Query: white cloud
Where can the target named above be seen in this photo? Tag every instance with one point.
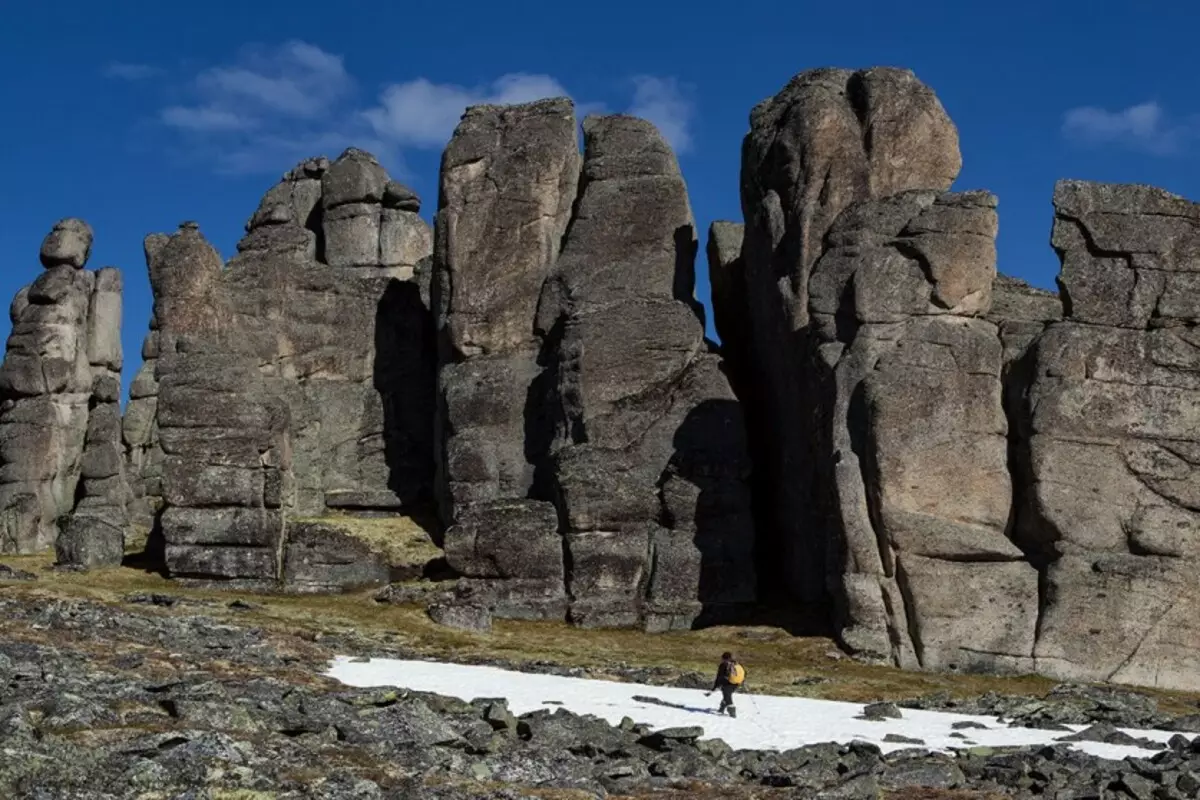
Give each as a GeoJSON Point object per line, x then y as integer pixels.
{"type": "Point", "coordinates": [270, 107]}
{"type": "Point", "coordinates": [1145, 127]}
{"type": "Point", "coordinates": [204, 119]}
{"type": "Point", "coordinates": [421, 113]}
{"type": "Point", "coordinates": [295, 80]}
{"type": "Point", "coordinates": [663, 102]}
{"type": "Point", "coordinates": [131, 72]}
{"type": "Point", "coordinates": [273, 106]}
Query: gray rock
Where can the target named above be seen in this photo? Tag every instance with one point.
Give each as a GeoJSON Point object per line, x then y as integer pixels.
{"type": "Point", "coordinates": [916, 473]}
{"type": "Point", "coordinates": [294, 382]}
{"type": "Point", "coordinates": [642, 405]}
{"type": "Point", "coordinates": [323, 557]}
{"type": "Point", "coordinates": [507, 184]}
{"type": "Point", "coordinates": [1113, 442]}
{"type": "Point", "coordinates": [879, 712]}
{"type": "Point", "coordinates": [96, 531]}
{"type": "Point", "coordinates": [463, 617]}
{"type": "Point", "coordinates": [507, 540]}
{"type": "Point", "coordinates": [896, 738]}
{"type": "Point", "coordinates": [61, 470]}
{"type": "Point", "coordinates": [69, 243]}
{"type": "Point", "coordinates": [829, 139]}
{"type": "Point", "coordinates": [500, 718]}
{"type": "Point", "coordinates": [8, 573]}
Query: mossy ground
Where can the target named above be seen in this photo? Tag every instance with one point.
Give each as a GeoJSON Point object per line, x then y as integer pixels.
{"type": "Point", "coordinates": [403, 541]}
{"type": "Point", "coordinates": [778, 663]}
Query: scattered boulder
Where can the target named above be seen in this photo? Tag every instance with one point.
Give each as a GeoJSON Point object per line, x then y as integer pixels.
{"type": "Point", "coordinates": [880, 712]}
{"type": "Point", "coordinates": [459, 615]}
{"type": "Point", "coordinates": [1108, 734]}
{"type": "Point", "coordinates": [8, 573]}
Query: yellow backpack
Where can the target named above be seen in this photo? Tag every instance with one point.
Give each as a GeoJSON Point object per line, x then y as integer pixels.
{"type": "Point", "coordinates": [737, 674]}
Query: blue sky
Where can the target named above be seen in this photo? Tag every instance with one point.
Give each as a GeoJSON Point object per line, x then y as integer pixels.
{"type": "Point", "coordinates": [139, 115]}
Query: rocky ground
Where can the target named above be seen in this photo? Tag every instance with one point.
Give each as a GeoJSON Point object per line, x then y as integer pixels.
{"type": "Point", "coordinates": [147, 694]}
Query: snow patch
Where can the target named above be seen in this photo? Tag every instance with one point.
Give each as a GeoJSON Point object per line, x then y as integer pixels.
{"type": "Point", "coordinates": [764, 722]}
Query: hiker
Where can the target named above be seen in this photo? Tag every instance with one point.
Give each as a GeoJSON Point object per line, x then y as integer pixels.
{"type": "Point", "coordinates": [730, 675]}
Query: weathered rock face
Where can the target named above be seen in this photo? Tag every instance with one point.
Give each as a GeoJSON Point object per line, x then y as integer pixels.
{"type": "Point", "coordinates": [971, 473]}
{"type": "Point", "coordinates": [917, 449]}
{"type": "Point", "coordinates": [650, 463]}
{"type": "Point", "coordinates": [59, 418]}
{"type": "Point", "coordinates": [296, 381]}
{"type": "Point", "coordinates": [1115, 446]}
{"type": "Point", "coordinates": [95, 534]}
{"type": "Point", "coordinates": [829, 139]}
{"type": "Point", "coordinates": [508, 180]}
{"type": "Point", "coordinates": [999, 480]}
{"type": "Point", "coordinates": [592, 443]}
{"type": "Point", "coordinates": [139, 434]}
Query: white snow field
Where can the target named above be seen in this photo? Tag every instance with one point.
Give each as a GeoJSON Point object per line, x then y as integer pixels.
{"type": "Point", "coordinates": [764, 722]}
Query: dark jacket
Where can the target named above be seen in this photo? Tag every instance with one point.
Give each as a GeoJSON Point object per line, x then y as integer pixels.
{"type": "Point", "coordinates": [723, 670]}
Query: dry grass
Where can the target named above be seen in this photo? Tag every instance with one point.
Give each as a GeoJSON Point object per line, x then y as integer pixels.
{"type": "Point", "coordinates": [403, 541]}
{"type": "Point", "coordinates": [777, 662]}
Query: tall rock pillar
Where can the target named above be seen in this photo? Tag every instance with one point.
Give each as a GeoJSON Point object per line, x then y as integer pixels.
{"type": "Point", "coordinates": [650, 458]}
{"type": "Point", "coordinates": [508, 181]}
{"type": "Point", "coordinates": [829, 139]}
{"type": "Point", "coordinates": [58, 384]}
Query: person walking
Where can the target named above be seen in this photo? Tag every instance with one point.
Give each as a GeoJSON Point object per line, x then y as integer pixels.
{"type": "Point", "coordinates": [730, 676]}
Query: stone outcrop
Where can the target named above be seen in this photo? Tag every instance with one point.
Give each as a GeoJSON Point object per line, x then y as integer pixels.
{"type": "Point", "coordinates": [594, 459]}
{"type": "Point", "coordinates": [996, 479]}
{"type": "Point", "coordinates": [508, 180]}
{"type": "Point", "coordinates": [298, 379]}
{"type": "Point", "coordinates": [954, 469]}
{"type": "Point", "coordinates": [96, 531]}
{"type": "Point", "coordinates": [139, 435]}
{"type": "Point", "coordinates": [916, 448]}
{"type": "Point", "coordinates": [650, 463]}
{"type": "Point", "coordinates": [829, 139]}
{"type": "Point", "coordinates": [1115, 445]}
{"type": "Point", "coordinates": [61, 474]}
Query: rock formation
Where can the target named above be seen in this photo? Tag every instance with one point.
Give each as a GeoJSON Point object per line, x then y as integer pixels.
{"type": "Point", "coordinates": [594, 456]}
{"type": "Point", "coordinates": [829, 139]}
{"type": "Point", "coordinates": [59, 413]}
{"type": "Point", "coordinates": [295, 382]}
{"type": "Point", "coordinates": [1115, 446]}
{"type": "Point", "coordinates": [928, 426]}
{"type": "Point", "coordinates": [508, 179]}
{"type": "Point", "coordinates": [650, 458]}
{"type": "Point", "coordinates": [915, 455]}
{"type": "Point", "coordinates": [882, 373]}
{"type": "Point", "coordinates": [957, 470]}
